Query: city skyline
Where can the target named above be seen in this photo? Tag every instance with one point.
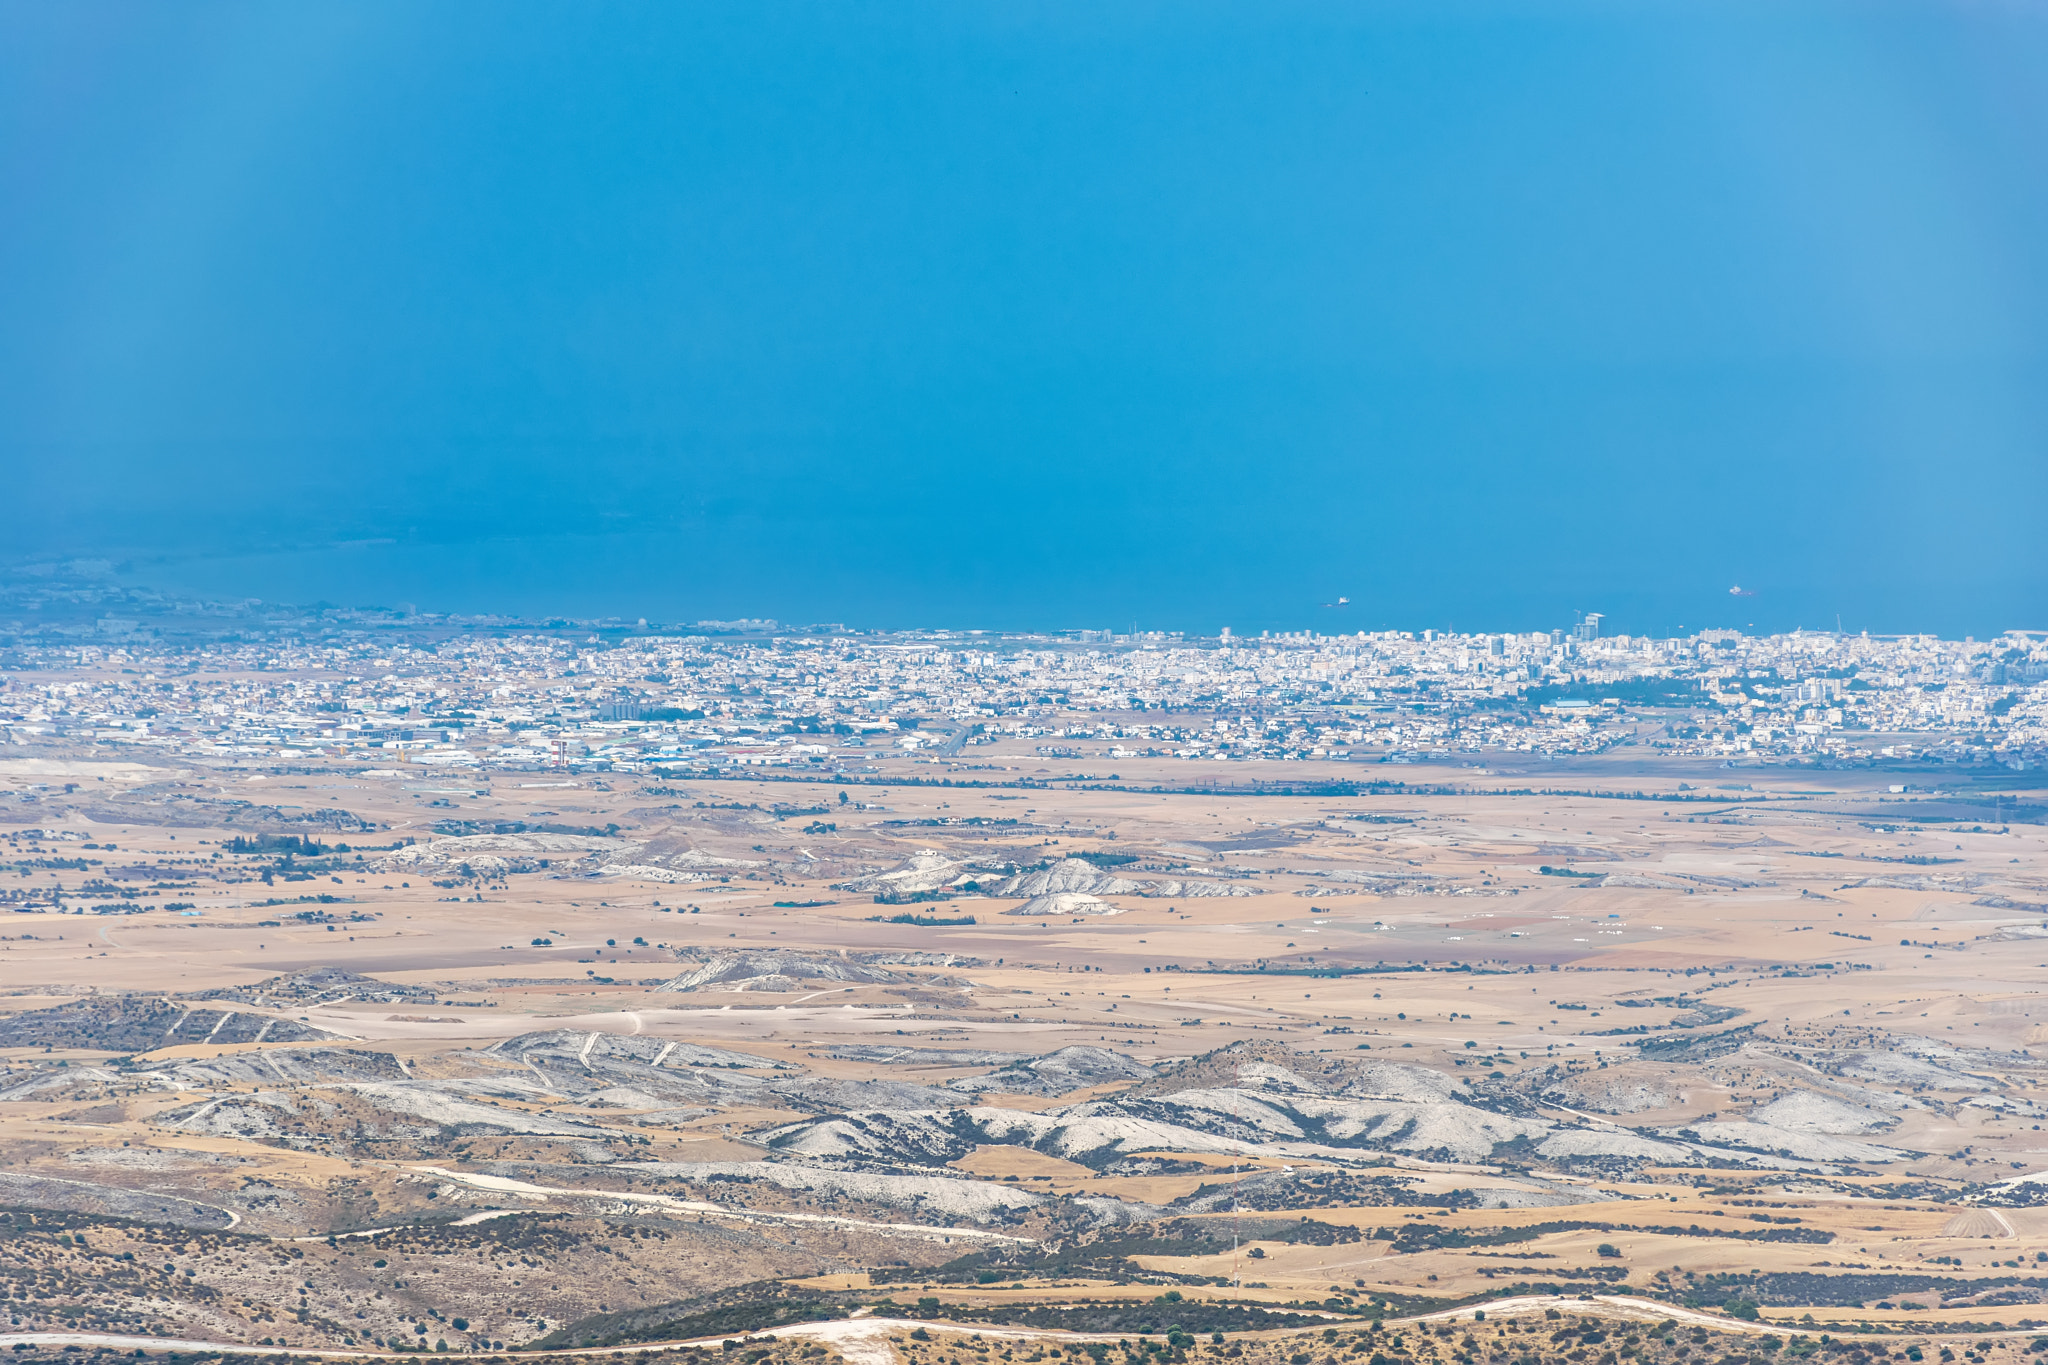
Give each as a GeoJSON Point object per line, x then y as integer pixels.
{"type": "Point", "coordinates": [483, 695]}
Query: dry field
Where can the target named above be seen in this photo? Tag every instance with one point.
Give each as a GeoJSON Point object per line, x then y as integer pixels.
{"type": "Point", "coordinates": [606, 1060]}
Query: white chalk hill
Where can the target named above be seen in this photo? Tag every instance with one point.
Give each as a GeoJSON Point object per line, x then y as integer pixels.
{"type": "Point", "coordinates": [1245, 1102]}
{"type": "Point", "coordinates": [494, 855]}
{"type": "Point", "coordinates": [777, 969]}
{"type": "Point", "coordinates": [1056, 1073]}
{"type": "Point", "coordinates": [1066, 903]}
{"type": "Point", "coordinates": [1079, 877]}
{"type": "Point", "coordinates": [925, 870]}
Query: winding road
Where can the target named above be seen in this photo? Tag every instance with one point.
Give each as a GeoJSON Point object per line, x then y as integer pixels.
{"type": "Point", "coordinates": [865, 1341]}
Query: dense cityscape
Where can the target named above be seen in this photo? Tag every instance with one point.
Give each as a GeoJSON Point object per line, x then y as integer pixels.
{"type": "Point", "coordinates": [254, 681]}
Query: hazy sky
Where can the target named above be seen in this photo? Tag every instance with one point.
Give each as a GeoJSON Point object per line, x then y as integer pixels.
{"type": "Point", "coordinates": [1039, 314]}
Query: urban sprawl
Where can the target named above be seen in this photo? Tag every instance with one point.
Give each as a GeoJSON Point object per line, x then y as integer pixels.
{"type": "Point", "coordinates": [459, 693]}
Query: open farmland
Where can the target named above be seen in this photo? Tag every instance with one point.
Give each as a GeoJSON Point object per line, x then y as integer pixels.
{"type": "Point", "coordinates": [580, 1060]}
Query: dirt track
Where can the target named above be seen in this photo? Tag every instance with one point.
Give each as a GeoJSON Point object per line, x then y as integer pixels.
{"type": "Point", "coordinates": [866, 1341]}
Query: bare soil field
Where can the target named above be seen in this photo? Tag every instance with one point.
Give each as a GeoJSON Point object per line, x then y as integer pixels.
{"type": "Point", "coordinates": [1178, 1065]}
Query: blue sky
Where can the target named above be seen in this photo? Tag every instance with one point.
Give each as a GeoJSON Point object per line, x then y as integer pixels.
{"type": "Point", "coordinates": [1039, 314]}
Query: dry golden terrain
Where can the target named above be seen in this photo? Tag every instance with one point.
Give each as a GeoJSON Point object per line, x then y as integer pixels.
{"type": "Point", "coordinates": [1212, 1070]}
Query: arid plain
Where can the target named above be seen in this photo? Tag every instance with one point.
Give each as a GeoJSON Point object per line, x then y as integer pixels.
{"type": "Point", "coordinates": [676, 1059]}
